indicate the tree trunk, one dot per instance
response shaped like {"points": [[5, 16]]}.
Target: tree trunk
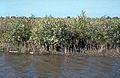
{"points": [[65, 49], [23, 49]]}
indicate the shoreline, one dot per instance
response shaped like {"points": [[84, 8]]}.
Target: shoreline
{"points": [[92, 53]]}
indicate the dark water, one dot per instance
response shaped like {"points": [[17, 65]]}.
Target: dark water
{"points": [[29, 66]]}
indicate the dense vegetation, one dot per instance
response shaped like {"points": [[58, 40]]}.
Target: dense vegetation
{"points": [[67, 35]]}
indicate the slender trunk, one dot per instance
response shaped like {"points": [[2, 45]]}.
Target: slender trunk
{"points": [[47, 47], [65, 49], [52, 48], [74, 49], [118, 49], [33, 48], [8, 47], [23, 50]]}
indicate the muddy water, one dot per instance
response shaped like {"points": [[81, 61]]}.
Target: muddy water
{"points": [[31, 66]]}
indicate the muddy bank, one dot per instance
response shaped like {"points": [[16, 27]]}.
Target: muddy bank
{"points": [[104, 52]]}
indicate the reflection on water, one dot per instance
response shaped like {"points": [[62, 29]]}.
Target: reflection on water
{"points": [[30, 66]]}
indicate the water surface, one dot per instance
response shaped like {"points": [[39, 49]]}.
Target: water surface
{"points": [[49, 66]]}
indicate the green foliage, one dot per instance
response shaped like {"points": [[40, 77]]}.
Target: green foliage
{"points": [[52, 30], [21, 33]]}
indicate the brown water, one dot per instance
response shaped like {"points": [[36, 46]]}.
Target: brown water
{"points": [[31, 66]]}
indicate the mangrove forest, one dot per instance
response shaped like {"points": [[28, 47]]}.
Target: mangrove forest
{"points": [[70, 35]]}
